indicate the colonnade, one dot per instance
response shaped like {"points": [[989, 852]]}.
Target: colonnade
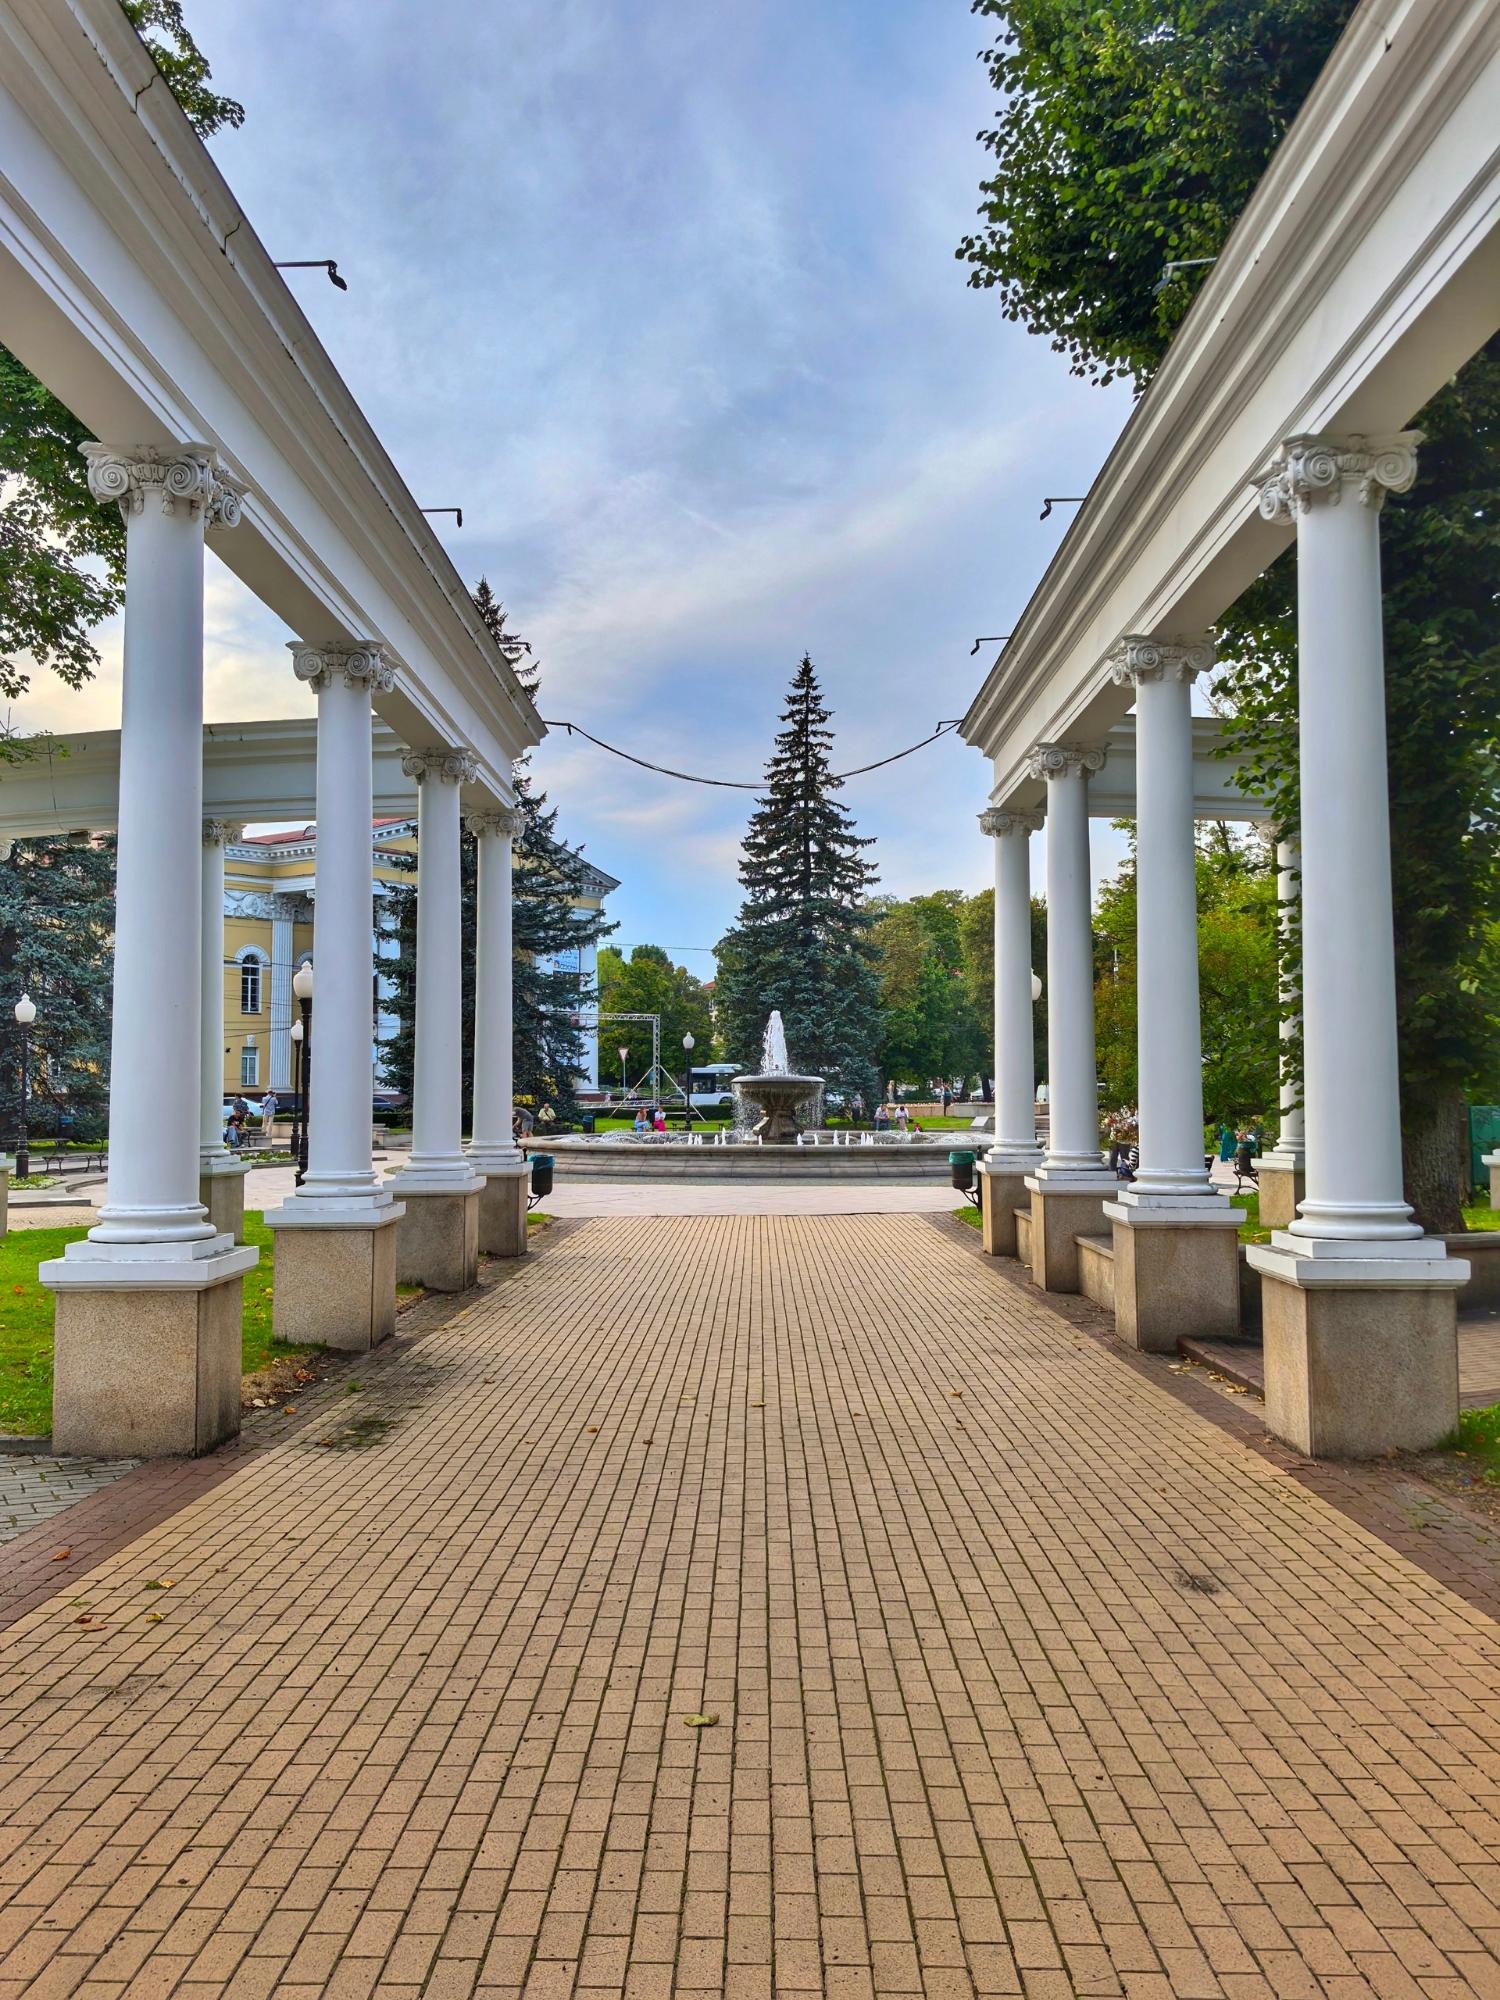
{"points": [[148, 1305], [1358, 1305]]}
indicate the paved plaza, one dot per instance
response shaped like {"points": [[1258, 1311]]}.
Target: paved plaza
{"points": [[745, 1605]]}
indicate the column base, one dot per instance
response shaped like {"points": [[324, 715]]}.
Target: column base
{"points": [[1283, 1182], [437, 1241], [1062, 1209], [1492, 1161], [1002, 1190], [221, 1189], [1361, 1354], [143, 1368], [502, 1209], [335, 1278], [1176, 1272]]}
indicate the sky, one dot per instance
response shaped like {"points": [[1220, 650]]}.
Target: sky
{"points": [[664, 297]]}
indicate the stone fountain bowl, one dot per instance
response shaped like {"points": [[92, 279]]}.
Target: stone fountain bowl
{"points": [[777, 1095]]}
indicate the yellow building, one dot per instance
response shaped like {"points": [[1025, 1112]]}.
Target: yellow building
{"points": [[270, 895]]}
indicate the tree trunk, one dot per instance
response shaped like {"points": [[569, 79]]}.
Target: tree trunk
{"points": [[1435, 1161]]}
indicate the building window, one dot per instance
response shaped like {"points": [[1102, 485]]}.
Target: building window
{"points": [[249, 1066], [250, 986]]}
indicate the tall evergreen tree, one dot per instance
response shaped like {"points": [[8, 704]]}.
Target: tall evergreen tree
{"points": [[803, 943], [57, 919], [550, 930], [1131, 136]]}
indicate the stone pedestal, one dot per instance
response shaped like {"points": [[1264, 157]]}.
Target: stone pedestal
{"points": [[221, 1189], [1002, 1190], [1059, 1213], [437, 1239], [1174, 1274], [147, 1365], [335, 1279], [1361, 1351], [502, 1210], [1492, 1161], [1283, 1183]]}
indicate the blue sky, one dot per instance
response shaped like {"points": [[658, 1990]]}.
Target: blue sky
{"points": [[665, 298]]}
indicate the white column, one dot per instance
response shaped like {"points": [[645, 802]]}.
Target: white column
{"points": [[1333, 489], [438, 1162], [1290, 1149], [1015, 1149], [1169, 1035], [491, 1144], [283, 950], [152, 1212], [212, 1151], [1072, 1066], [339, 1169]]}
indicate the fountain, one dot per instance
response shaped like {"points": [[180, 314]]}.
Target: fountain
{"points": [[776, 1092]]}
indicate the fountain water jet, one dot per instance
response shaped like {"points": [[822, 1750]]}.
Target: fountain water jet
{"points": [[777, 1092]]}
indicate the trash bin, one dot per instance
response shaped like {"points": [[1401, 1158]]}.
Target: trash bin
{"points": [[541, 1172], [586, 1121], [961, 1170]]}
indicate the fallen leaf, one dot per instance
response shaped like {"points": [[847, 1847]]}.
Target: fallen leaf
{"points": [[62, 1555], [86, 1619], [700, 1721], [153, 1618]]}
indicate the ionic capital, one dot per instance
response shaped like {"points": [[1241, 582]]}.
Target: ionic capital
{"points": [[995, 821], [357, 666], [450, 767], [222, 832], [1139, 658], [1064, 760], [1308, 468], [184, 475], [509, 822]]}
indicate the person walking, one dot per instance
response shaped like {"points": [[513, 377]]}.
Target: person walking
{"points": [[269, 1107]]}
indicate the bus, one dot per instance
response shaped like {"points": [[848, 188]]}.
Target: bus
{"points": [[710, 1086]]}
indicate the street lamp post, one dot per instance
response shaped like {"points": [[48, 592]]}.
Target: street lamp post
{"points": [[25, 1015], [302, 986], [687, 1083], [296, 1141]]}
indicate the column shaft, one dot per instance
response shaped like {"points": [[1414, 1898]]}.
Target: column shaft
{"points": [[1072, 1066], [437, 1156], [1169, 1035], [1015, 1056], [491, 1143], [156, 1039], [1351, 1089], [1290, 1142], [211, 1147]]}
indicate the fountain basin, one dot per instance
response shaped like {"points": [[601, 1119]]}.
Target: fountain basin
{"points": [[819, 1159], [778, 1096]]}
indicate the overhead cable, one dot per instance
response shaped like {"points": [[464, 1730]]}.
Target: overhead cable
{"points": [[742, 784]]}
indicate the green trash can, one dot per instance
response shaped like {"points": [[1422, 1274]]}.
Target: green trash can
{"points": [[542, 1165], [961, 1171]]}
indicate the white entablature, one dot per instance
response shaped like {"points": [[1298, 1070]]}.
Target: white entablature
{"points": [[253, 772], [1363, 273]]}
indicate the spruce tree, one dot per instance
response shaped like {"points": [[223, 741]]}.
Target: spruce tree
{"points": [[803, 943], [548, 1039], [57, 920]]}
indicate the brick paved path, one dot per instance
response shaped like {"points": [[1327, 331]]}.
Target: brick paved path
{"points": [[35, 1487], [1029, 1678]]}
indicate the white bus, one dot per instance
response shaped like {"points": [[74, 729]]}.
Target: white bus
{"points": [[710, 1086]]}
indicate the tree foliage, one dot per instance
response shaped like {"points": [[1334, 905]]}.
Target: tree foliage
{"points": [[647, 982], [1131, 136], [57, 913], [1236, 979], [803, 944], [62, 555]]}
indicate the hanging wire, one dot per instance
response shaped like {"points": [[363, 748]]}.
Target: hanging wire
{"points": [[742, 784]]}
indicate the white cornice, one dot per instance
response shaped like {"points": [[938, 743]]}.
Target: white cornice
{"points": [[1361, 275]]}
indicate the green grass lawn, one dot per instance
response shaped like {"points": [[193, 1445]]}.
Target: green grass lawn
{"points": [[26, 1323], [970, 1214]]}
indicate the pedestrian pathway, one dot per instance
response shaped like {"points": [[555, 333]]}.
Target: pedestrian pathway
{"points": [[745, 1606], [35, 1487]]}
